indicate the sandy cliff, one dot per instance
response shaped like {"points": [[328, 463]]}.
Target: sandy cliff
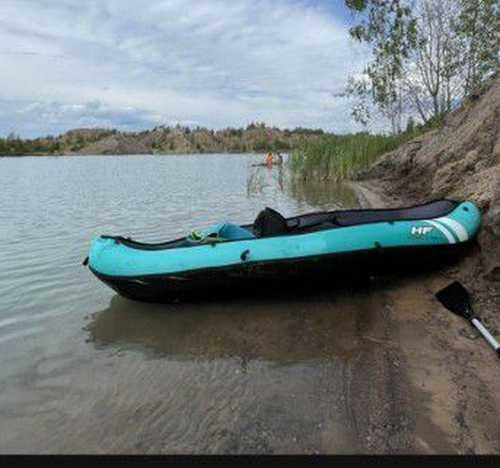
{"points": [[446, 364], [462, 161]]}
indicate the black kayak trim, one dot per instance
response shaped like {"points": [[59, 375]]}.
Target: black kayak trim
{"points": [[323, 220]]}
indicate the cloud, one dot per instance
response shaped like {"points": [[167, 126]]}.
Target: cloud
{"points": [[49, 118], [132, 64]]}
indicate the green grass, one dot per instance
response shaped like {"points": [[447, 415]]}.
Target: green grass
{"points": [[340, 157]]}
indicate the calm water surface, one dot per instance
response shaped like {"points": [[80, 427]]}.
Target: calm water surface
{"points": [[83, 370]]}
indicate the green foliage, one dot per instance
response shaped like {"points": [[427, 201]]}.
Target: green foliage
{"points": [[436, 121], [358, 5], [308, 131], [15, 146], [262, 145], [427, 55], [478, 31], [236, 132], [280, 145], [340, 157], [391, 29]]}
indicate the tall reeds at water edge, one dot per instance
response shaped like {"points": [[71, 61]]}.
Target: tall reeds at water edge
{"points": [[340, 157]]}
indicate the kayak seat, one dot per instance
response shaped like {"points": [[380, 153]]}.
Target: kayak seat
{"points": [[311, 222], [231, 231], [270, 223], [329, 220], [430, 210]]}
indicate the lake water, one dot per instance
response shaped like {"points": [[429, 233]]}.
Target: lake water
{"points": [[83, 370]]}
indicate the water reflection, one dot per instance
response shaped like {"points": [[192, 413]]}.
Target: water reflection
{"points": [[280, 330], [265, 180], [326, 195], [237, 376]]}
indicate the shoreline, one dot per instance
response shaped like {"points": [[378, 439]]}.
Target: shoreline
{"points": [[73, 155], [448, 397]]}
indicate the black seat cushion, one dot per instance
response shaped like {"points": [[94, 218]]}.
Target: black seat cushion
{"points": [[433, 209], [270, 223]]}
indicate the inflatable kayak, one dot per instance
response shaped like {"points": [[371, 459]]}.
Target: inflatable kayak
{"points": [[274, 250]]}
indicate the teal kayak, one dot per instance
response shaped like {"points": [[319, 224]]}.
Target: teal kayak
{"points": [[275, 249]]}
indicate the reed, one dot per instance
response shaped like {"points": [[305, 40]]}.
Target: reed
{"points": [[340, 157]]}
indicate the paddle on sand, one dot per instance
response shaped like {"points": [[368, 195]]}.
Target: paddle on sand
{"points": [[456, 299]]}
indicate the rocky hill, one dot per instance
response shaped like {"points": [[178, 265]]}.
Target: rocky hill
{"points": [[162, 140]]}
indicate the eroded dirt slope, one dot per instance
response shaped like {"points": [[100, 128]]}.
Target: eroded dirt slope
{"points": [[461, 161], [443, 357]]}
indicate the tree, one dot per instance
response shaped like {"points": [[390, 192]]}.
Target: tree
{"points": [[432, 80], [410, 125], [419, 66], [389, 27], [478, 31]]}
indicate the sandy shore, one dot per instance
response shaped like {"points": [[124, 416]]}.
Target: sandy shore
{"points": [[433, 381]]}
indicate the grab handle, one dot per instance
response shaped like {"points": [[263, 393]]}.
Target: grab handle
{"points": [[244, 255]]}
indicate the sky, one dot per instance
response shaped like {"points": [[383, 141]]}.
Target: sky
{"points": [[137, 64]]}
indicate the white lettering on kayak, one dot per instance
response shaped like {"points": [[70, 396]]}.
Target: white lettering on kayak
{"points": [[420, 231]]}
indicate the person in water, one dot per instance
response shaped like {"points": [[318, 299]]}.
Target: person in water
{"points": [[269, 159]]}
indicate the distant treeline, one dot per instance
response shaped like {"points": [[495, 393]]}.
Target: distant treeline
{"points": [[15, 146], [161, 140]]}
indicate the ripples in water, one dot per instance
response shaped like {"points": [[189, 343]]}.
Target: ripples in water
{"points": [[84, 370]]}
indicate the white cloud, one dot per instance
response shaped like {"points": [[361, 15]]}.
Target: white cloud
{"points": [[213, 62]]}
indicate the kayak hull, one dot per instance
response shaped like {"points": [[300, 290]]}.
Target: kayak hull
{"points": [[265, 279], [154, 274], [295, 262]]}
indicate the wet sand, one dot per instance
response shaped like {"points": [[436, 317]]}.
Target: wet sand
{"points": [[444, 361], [322, 374]]}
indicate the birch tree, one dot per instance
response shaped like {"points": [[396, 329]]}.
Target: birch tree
{"points": [[427, 54]]}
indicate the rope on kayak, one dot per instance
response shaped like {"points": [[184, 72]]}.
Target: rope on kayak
{"points": [[197, 237]]}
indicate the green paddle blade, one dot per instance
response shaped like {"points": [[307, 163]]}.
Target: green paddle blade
{"points": [[456, 299]]}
